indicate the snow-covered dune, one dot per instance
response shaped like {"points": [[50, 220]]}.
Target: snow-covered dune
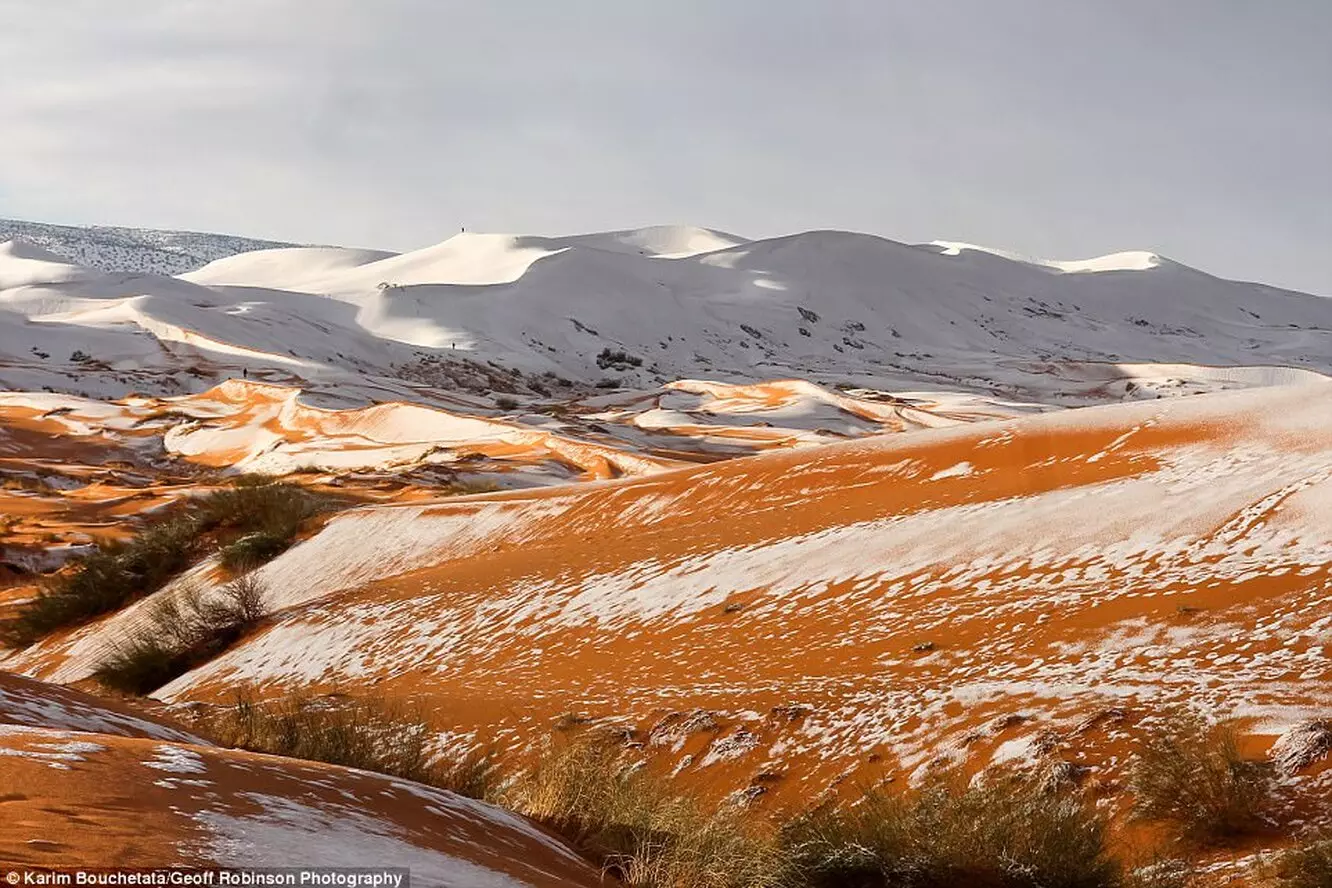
{"points": [[785, 514], [641, 308]]}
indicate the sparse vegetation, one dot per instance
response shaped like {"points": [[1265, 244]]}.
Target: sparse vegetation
{"points": [[1307, 866], [180, 633], [636, 828], [1160, 873], [467, 375], [111, 576], [1190, 773], [259, 517], [1009, 833], [617, 359], [351, 732]]}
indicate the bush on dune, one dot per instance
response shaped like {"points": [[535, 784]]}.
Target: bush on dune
{"points": [[1191, 774], [630, 822], [261, 517], [1307, 866], [355, 733], [267, 516], [1000, 831], [109, 578], [182, 632], [1007, 833]]}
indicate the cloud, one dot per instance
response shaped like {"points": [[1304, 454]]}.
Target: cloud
{"points": [[1197, 129]]}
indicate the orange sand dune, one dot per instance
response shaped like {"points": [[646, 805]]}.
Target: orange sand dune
{"points": [[88, 785], [265, 428], [1031, 593], [866, 609]]}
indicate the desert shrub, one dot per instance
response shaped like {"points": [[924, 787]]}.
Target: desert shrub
{"points": [[352, 732], [617, 359], [255, 549], [268, 515], [1008, 833], [506, 403], [629, 822], [252, 504], [261, 515], [1190, 773], [1306, 866], [108, 578], [182, 632], [1160, 873]]}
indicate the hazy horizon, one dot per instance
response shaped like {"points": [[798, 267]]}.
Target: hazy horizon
{"points": [[1200, 130]]}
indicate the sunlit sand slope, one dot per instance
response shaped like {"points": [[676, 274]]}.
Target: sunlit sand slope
{"points": [[1001, 591]]}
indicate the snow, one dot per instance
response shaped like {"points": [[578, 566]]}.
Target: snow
{"points": [[177, 760], [959, 470], [825, 306], [1130, 260], [138, 250], [32, 704], [662, 241], [1197, 509], [56, 755], [288, 832], [1301, 745]]}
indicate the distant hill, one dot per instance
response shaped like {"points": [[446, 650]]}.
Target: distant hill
{"points": [[138, 250]]}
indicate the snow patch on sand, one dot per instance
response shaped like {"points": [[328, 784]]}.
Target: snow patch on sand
{"points": [[291, 833]]}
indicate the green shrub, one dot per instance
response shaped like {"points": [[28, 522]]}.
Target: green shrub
{"points": [[267, 514], [181, 633], [112, 576], [1191, 774], [1008, 833], [261, 516], [254, 549]]}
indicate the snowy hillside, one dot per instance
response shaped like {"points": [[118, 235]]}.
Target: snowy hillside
{"points": [[777, 519], [140, 250], [639, 309]]}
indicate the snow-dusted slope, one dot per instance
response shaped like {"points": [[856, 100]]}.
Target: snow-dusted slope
{"points": [[129, 778], [1028, 590], [140, 250]]}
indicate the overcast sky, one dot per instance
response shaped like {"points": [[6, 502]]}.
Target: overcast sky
{"points": [[1201, 129]]}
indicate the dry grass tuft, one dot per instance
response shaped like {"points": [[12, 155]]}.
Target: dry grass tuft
{"points": [[352, 732], [636, 828], [1190, 773], [1008, 833]]}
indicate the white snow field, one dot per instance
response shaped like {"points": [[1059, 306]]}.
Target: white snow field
{"points": [[638, 309]]}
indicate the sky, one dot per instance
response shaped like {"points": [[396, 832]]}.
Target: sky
{"points": [[1199, 129]]}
